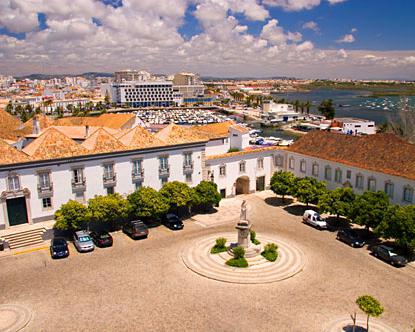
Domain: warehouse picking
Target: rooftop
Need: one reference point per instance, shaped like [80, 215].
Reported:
[101, 141]
[245, 152]
[138, 137]
[384, 153]
[10, 155]
[174, 134]
[351, 120]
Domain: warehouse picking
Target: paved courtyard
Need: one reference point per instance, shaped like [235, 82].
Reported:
[144, 285]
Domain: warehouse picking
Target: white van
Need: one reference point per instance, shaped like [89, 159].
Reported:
[313, 218]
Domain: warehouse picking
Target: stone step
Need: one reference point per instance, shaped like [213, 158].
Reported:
[25, 244]
[23, 233]
[25, 238]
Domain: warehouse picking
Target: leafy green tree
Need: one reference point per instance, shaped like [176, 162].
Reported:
[282, 183]
[10, 108]
[38, 110]
[108, 209]
[59, 112]
[308, 190]
[370, 306]
[369, 209]
[177, 194]
[307, 105]
[326, 108]
[147, 202]
[337, 202]
[71, 216]
[206, 194]
[399, 224]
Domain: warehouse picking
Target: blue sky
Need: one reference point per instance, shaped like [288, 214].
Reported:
[303, 38]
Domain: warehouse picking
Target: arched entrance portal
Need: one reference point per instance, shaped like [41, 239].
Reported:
[242, 185]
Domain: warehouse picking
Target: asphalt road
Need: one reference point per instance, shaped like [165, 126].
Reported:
[143, 285]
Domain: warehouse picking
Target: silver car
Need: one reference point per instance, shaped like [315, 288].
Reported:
[83, 242]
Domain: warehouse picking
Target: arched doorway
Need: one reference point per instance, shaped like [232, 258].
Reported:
[242, 185]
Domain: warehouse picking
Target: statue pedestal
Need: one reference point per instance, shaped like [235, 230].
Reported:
[244, 233]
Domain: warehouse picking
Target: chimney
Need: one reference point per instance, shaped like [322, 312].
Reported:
[36, 125]
[86, 131]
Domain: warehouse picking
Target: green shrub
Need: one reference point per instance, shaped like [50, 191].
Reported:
[271, 247]
[270, 252]
[233, 150]
[254, 239]
[237, 262]
[220, 246]
[238, 252]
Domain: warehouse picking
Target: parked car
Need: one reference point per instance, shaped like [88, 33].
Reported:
[59, 248]
[350, 237]
[83, 242]
[313, 218]
[101, 239]
[135, 229]
[173, 222]
[387, 254]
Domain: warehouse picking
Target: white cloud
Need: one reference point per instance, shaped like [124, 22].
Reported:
[348, 38]
[353, 30]
[311, 25]
[293, 5]
[334, 2]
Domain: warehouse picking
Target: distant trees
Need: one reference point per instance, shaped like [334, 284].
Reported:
[326, 108]
[282, 183]
[9, 108]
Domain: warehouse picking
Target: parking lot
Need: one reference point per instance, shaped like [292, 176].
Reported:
[143, 284]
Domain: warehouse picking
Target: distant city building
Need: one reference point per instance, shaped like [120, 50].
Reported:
[353, 126]
[131, 75]
[280, 112]
[190, 87]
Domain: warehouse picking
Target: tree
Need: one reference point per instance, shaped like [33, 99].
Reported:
[59, 112]
[206, 194]
[307, 105]
[326, 108]
[399, 224]
[308, 190]
[282, 183]
[71, 216]
[370, 306]
[296, 105]
[177, 194]
[10, 108]
[147, 202]
[107, 99]
[108, 209]
[337, 202]
[369, 209]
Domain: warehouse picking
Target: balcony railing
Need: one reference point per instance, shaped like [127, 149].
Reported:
[164, 172]
[79, 185]
[188, 168]
[137, 175]
[109, 179]
[45, 191]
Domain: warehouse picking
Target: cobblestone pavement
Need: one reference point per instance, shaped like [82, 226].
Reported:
[144, 285]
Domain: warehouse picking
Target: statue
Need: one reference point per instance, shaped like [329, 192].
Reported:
[243, 211]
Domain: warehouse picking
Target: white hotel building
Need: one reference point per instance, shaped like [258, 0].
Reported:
[54, 168]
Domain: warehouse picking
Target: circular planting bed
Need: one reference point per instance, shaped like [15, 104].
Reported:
[13, 317]
[345, 324]
[197, 257]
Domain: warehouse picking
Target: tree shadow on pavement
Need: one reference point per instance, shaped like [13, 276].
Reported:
[297, 210]
[335, 224]
[349, 328]
[277, 201]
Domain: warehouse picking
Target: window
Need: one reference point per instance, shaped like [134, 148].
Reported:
[108, 171]
[302, 166]
[408, 194]
[14, 182]
[371, 184]
[260, 163]
[137, 167]
[327, 173]
[110, 190]
[46, 203]
[44, 180]
[291, 163]
[80, 197]
[189, 178]
[338, 175]
[315, 170]
[138, 185]
[359, 181]
[164, 163]
[78, 175]
[389, 187]
[188, 159]
[222, 170]
[349, 174]
[278, 160]
[223, 193]
[242, 166]
[164, 180]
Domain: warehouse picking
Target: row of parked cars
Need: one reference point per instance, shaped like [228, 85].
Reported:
[87, 241]
[352, 238]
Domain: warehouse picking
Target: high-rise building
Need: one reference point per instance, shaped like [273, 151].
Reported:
[131, 75]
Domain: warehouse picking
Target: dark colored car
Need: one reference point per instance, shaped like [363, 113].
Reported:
[387, 254]
[101, 239]
[59, 248]
[173, 222]
[350, 237]
[135, 229]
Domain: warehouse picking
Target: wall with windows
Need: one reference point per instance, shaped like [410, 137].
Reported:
[217, 146]
[399, 190]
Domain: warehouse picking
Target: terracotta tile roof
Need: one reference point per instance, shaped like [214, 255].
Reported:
[246, 152]
[9, 155]
[53, 144]
[11, 127]
[174, 134]
[139, 137]
[215, 130]
[77, 132]
[241, 129]
[115, 121]
[44, 122]
[72, 121]
[101, 141]
[385, 153]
